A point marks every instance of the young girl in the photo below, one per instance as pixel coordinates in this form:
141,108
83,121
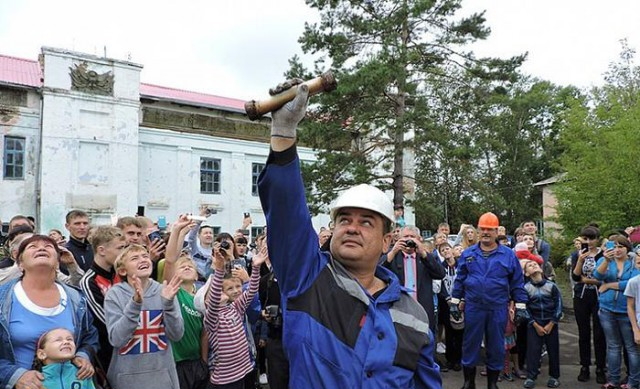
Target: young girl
54,351
226,305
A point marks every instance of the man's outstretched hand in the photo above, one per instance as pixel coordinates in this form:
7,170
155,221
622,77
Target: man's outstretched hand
286,119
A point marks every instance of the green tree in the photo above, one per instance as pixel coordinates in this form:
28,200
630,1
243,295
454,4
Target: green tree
493,142
386,55
600,183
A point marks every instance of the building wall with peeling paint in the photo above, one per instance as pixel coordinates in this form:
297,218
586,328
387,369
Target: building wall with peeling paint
20,117
108,154
89,141
169,174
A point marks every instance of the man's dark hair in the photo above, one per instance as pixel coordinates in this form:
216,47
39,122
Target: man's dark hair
19,217
75,213
205,226
19,230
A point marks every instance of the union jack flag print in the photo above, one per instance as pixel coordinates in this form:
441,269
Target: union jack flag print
149,336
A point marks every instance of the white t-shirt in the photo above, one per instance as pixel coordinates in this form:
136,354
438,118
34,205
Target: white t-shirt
633,290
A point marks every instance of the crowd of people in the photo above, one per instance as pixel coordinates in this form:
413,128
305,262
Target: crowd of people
363,303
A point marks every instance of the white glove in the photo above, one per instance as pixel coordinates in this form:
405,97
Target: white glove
285,120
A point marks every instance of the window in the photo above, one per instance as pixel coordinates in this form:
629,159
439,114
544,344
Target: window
14,157
216,230
256,169
209,175
255,231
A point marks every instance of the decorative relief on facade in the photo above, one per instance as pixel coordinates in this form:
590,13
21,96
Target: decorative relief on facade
89,81
203,124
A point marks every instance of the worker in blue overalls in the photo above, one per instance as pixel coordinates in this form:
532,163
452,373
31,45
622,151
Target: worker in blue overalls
488,277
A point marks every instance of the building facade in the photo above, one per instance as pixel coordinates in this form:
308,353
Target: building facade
81,132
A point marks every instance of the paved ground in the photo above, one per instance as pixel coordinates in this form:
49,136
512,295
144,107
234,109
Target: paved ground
569,365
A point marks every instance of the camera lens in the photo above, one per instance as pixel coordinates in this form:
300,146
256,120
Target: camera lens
225,245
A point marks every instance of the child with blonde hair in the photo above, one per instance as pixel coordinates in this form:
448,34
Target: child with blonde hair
142,317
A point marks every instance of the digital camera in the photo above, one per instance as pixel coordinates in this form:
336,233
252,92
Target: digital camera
411,244
274,313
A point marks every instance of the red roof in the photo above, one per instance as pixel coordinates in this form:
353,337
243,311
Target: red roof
196,98
19,71
25,72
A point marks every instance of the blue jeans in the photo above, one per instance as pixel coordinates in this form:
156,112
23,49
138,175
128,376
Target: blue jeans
618,333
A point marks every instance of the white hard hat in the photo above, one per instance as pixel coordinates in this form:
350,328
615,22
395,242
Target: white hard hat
366,197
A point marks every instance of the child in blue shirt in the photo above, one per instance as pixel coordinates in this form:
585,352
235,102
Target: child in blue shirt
54,351
545,310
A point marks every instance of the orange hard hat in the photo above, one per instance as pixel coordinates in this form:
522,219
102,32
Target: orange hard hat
488,220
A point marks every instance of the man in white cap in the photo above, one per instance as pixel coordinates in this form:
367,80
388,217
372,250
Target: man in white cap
348,323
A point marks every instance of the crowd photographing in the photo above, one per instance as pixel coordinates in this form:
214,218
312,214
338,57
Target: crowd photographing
365,302
110,306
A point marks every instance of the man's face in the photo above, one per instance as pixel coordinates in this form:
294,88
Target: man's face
488,236
19,222
113,249
206,236
444,230
439,239
78,227
530,227
359,238
408,234
324,236
132,234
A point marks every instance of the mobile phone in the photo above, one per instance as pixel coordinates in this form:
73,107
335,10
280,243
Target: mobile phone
154,235
238,264
584,247
162,222
246,215
610,245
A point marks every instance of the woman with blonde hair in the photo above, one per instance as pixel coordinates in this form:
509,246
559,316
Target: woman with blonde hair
469,237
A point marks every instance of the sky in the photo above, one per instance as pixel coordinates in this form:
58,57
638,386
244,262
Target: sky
240,48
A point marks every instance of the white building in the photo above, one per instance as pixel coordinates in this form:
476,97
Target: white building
81,132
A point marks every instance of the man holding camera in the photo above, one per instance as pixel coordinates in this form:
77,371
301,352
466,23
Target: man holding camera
347,322
416,268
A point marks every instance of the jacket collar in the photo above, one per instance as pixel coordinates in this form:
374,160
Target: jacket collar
78,243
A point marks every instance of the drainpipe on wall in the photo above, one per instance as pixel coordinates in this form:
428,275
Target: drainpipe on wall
38,176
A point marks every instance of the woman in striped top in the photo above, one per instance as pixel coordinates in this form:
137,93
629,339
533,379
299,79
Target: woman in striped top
226,305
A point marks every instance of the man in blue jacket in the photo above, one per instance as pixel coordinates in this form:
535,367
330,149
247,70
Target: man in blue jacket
348,323
488,277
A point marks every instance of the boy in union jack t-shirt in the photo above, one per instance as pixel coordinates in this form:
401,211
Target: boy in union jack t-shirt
142,316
